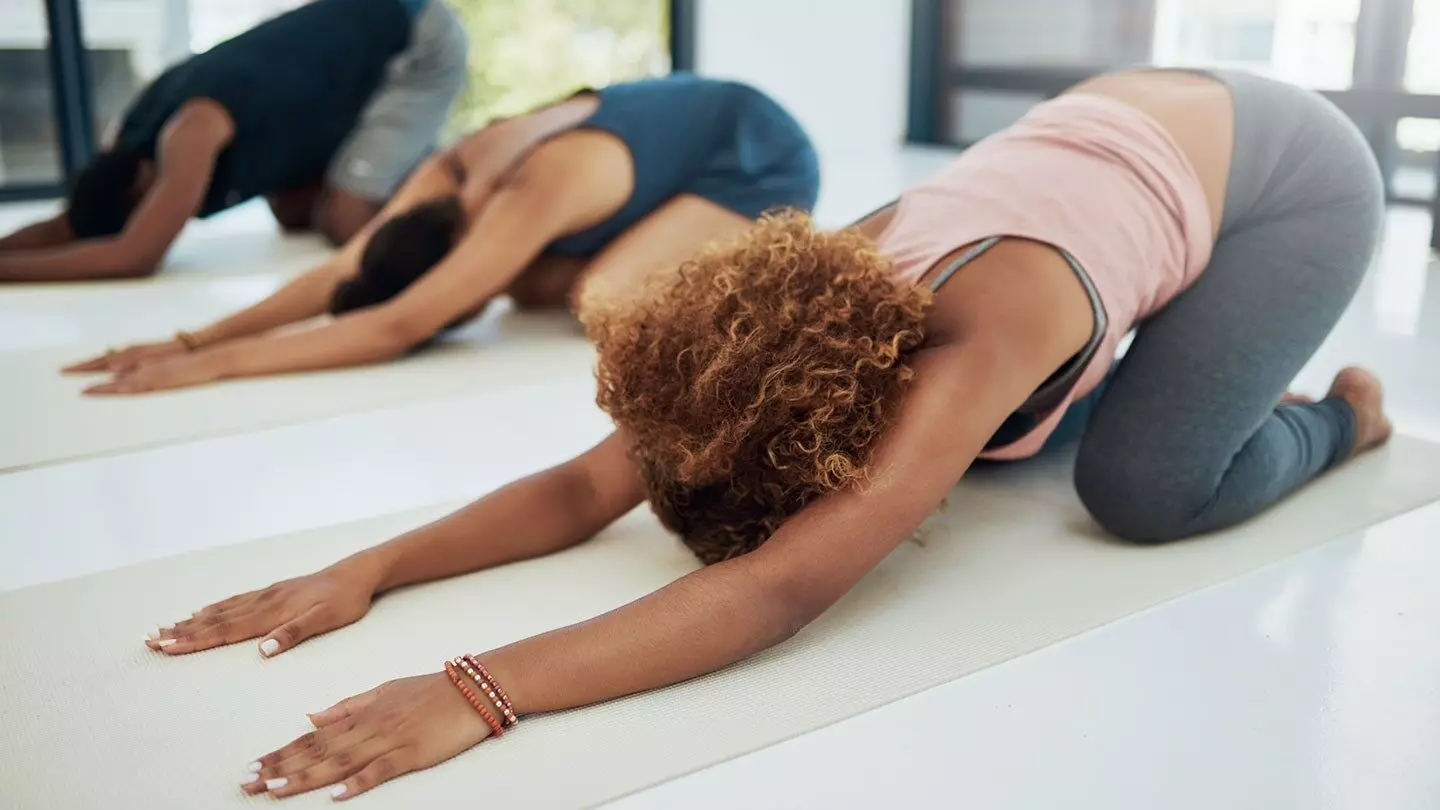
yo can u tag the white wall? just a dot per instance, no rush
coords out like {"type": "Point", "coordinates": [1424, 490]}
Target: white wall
{"type": "Point", "coordinates": [840, 66]}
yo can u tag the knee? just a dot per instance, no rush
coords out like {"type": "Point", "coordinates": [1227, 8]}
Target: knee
{"type": "Point", "coordinates": [338, 216]}
{"type": "Point", "coordinates": [1137, 502]}
{"type": "Point", "coordinates": [292, 210]}
{"type": "Point", "coordinates": [527, 294]}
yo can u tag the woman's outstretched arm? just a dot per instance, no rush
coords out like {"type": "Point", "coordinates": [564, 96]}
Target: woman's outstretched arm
{"type": "Point", "coordinates": [43, 234]}
{"type": "Point", "coordinates": [302, 298]}
{"type": "Point", "coordinates": [555, 192]}
{"type": "Point", "coordinates": [701, 623]}
{"type": "Point", "coordinates": [538, 515]}
{"type": "Point", "coordinates": [189, 145]}
{"type": "Point", "coordinates": [732, 610]}
{"type": "Point", "coordinates": [1008, 337]}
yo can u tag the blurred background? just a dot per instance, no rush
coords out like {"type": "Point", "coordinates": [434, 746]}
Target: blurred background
{"type": "Point", "coordinates": [865, 76]}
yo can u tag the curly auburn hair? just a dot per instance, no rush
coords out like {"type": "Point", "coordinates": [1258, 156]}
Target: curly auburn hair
{"type": "Point", "coordinates": [758, 378]}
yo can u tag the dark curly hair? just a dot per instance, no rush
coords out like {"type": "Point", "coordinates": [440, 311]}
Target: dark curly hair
{"type": "Point", "coordinates": [758, 378]}
{"type": "Point", "coordinates": [399, 253]}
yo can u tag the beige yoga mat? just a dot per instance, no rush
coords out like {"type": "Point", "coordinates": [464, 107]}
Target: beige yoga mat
{"type": "Point", "coordinates": [46, 420]}
{"type": "Point", "coordinates": [93, 719]}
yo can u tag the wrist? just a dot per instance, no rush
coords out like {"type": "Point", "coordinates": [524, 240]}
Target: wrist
{"type": "Point", "coordinates": [370, 568]}
{"type": "Point", "coordinates": [206, 337]}
{"type": "Point", "coordinates": [220, 361]}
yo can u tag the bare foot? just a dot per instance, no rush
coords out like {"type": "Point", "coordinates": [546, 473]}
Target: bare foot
{"type": "Point", "coordinates": [1362, 391]}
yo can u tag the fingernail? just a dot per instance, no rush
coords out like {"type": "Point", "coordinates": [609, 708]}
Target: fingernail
{"type": "Point", "coordinates": [153, 635]}
{"type": "Point", "coordinates": [250, 779]}
{"type": "Point", "coordinates": [276, 784]}
{"type": "Point", "coordinates": [269, 647]}
{"type": "Point", "coordinates": [254, 767]}
{"type": "Point", "coordinates": [166, 642]}
{"type": "Point", "coordinates": [338, 790]}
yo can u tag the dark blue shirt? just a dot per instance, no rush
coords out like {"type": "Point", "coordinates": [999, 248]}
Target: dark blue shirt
{"type": "Point", "coordinates": [294, 85]}
{"type": "Point", "coordinates": [720, 140]}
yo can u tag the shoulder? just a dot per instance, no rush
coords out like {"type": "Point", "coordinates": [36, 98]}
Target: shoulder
{"type": "Point", "coordinates": [1021, 300]}
{"type": "Point", "coordinates": [199, 121]}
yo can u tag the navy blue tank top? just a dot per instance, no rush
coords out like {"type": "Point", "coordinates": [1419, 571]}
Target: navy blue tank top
{"type": "Point", "coordinates": [295, 86]}
{"type": "Point", "coordinates": [721, 140]}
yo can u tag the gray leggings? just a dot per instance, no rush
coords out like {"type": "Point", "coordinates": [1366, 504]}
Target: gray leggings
{"type": "Point", "coordinates": [1186, 437]}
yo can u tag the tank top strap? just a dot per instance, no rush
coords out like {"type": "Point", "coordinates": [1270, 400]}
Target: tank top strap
{"type": "Point", "coordinates": [963, 259]}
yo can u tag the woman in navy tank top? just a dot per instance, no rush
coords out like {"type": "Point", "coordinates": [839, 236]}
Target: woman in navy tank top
{"type": "Point", "coordinates": [591, 193]}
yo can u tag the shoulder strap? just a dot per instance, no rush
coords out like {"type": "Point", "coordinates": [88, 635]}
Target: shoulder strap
{"type": "Point", "coordinates": [964, 259]}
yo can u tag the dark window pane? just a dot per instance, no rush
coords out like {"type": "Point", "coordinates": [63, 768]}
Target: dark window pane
{"type": "Point", "coordinates": [29, 150]}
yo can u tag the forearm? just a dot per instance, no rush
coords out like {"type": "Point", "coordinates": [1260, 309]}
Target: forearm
{"type": "Point", "coordinates": [101, 259]}
{"type": "Point", "coordinates": [538, 515]}
{"type": "Point", "coordinates": [697, 625]}
{"type": "Point", "coordinates": [301, 299]}
{"type": "Point", "coordinates": [47, 233]}
{"type": "Point", "coordinates": [353, 340]}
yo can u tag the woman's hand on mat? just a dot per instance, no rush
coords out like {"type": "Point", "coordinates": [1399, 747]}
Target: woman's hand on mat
{"type": "Point", "coordinates": [398, 727]}
{"type": "Point", "coordinates": [128, 358]}
{"type": "Point", "coordinates": [162, 374]}
{"type": "Point", "coordinates": [283, 614]}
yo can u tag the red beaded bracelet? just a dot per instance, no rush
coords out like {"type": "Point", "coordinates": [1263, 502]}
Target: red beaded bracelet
{"type": "Point", "coordinates": [485, 688]}
{"type": "Point", "coordinates": [487, 683]}
{"type": "Point", "coordinates": [493, 682]}
{"type": "Point", "coordinates": [474, 699]}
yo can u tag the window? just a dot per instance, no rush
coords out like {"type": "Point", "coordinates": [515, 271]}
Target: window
{"type": "Point", "coordinates": [523, 53]}
{"type": "Point", "coordinates": [1308, 43]}
{"type": "Point", "coordinates": [29, 148]}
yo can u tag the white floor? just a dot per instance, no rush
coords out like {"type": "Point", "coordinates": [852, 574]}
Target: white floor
{"type": "Point", "coordinates": [1314, 683]}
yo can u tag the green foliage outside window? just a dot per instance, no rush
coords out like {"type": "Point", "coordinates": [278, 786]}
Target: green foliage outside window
{"type": "Point", "coordinates": [525, 53]}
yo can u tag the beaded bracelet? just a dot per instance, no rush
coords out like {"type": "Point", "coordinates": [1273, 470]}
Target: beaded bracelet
{"type": "Point", "coordinates": [188, 340]}
{"type": "Point", "coordinates": [475, 701]}
{"type": "Point", "coordinates": [481, 676]}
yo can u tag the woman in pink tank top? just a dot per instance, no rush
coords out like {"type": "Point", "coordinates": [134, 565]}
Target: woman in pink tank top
{"type": "Point", "coordinates": [824, 390]}
{"type": "Point", "coordinates": [794, 405]}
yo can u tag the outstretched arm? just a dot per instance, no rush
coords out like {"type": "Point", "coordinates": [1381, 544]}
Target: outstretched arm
{"type": "Point", "coordinates": [538, 515]}
{"type": "Point", "coordinates": [732, 610]}
{"type": "Point", "coordinates": [188, 149]}
{"type": "Point", "coordinates": [43, 234]}
{"type": "Point", "coordinates": [304, 297]}
{"type": "Point", "coordinates": [547, 198]}
{"type": "Point", "coordinates": [701, 623]}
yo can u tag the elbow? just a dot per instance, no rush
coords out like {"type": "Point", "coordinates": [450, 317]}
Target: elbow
{"type": "Point", "coordinates": [781, 611]}
{"type": "Point", "coordinates": [132, 269]}
{"type": "Point", "coordinates": [129, 258]}
{"type": "Point", "coordinates": [780, 620]}
{"type": "Point", "coordinates": [396, 336]}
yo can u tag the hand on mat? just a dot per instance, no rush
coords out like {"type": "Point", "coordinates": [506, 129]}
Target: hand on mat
{"type": "Point", "coordinates": [360, 742]}
{"type": "Point", "coordinates": [285, 613]}
{"type": "Point", "coordinates": [160, 375]}
{"type": "Point", "coordinates": [127, 358]}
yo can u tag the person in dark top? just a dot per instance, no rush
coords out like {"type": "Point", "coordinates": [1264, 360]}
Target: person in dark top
{"type": "Point", "coordinates": [324, 111]}
{"type": "Point", "coordinates": [592, 194]}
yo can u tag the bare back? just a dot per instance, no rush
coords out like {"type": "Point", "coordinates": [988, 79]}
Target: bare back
{"type": "Point", "coordinates": [1198, 112]}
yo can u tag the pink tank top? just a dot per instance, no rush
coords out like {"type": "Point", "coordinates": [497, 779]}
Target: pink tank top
{"type": "Point", "coordinates": [1095, 178]}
